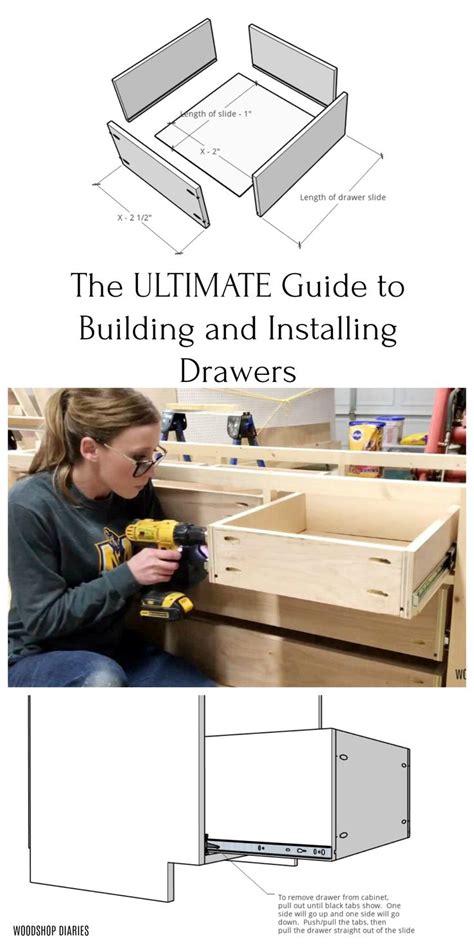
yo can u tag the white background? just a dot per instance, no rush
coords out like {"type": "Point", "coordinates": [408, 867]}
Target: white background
{"type": "Point", "coordinates": [426, 873]}
{"type": "Point", "coordinates": [405, 67]}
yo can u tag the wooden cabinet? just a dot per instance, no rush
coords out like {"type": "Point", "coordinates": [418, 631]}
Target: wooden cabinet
{"type": "Point", "coordinates": [240, 654]}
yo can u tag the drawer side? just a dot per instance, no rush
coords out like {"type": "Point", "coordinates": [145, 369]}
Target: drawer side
{"type": "Point", "coordinates": [319, 569]}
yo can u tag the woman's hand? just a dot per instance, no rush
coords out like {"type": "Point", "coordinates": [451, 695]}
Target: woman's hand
{"type": "Point", "coordinates": [151, 566]}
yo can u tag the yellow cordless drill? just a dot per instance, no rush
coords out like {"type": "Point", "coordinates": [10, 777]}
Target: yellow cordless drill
{"type": "Point", "coordinates": [166, 535]}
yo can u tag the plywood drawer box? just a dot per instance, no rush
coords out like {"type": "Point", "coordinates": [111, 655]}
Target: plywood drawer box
{"type": "Point", "coordinates": [331, 549]}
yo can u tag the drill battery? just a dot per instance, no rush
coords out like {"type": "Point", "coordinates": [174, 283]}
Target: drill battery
{"type": "Point", "coordinates": [169, 606]}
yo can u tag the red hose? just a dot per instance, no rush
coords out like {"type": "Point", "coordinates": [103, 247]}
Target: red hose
{"type": "Point", "coordinates": [458, 435]}
{"type": "Point", "coordinates": [435, 440]}
{"type": "Point", "coordinates": [437, 432]}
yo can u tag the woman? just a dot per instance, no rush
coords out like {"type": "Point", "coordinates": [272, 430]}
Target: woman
{"type": "Point", "coordinates": [73, 572]}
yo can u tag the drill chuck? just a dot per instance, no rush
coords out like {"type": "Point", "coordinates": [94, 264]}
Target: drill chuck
{"type": "Point", "coordinates": [187, 534]}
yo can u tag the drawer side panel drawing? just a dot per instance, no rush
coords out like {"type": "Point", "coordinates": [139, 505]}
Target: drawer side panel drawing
{"type": "Point", "coordinates": [283, 170]}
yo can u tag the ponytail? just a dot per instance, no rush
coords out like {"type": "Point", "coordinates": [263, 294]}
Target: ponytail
{"type": "Point", "coordinates": [55, 451]}
{"type": "Point", "coordinates": [73, 413]}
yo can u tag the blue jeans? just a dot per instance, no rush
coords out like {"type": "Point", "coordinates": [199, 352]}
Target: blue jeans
{"type": "Point", "coordinates": [142, 667]}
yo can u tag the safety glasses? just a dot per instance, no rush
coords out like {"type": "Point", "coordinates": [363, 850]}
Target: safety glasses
{"type": "Point", "coordinates": [143, 465]}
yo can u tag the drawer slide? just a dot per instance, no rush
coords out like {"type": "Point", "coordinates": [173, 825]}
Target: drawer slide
{"type": "Point", "coordinates": [435, 579]}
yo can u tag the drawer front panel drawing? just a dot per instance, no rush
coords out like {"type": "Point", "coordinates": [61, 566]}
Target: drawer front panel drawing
{"type": "Point", "coordinates": [173, 184]}
{"type": "Point", "coordinates": [153, 78]}
{"type": "Point", "coordinates": [293, 66]}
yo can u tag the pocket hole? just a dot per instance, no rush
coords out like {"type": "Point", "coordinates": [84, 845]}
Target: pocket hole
{"type": "Point", "coordinates": [240, 503]}
{"type": "Point", "coordinates": [379, 559]}
{"type": "Point", "coordinates": [343, 835]}
{"type": "Point", "coordinates": [125, 161]}
{"type": "Point", "coordinates": [232, 569]}
{"type": "Point", "coordinates": [231, 539]}
{"type": "Point", "coordinates": [377, 592]}
{"type": "Point", "coordinates": [197, 215]}
{"type": "Point", "coordinates": [343, 757]}
{"type": "Point", "coordinates": [117, 137]}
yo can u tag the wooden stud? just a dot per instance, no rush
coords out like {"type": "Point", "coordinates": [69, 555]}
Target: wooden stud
{"type": "Point", "coordinates": [214, 408]}
{"type": "Point", "coordinates": [324, 456]}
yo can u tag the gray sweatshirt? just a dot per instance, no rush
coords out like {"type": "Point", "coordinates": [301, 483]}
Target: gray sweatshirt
{"type": "Point", "coordinates": [70, 581]}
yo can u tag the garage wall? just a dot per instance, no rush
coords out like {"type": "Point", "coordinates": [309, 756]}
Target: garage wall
{"type": "Point", "coordinates": [317, 408]}
{"type": "Point", "coordinates": [415, 403]}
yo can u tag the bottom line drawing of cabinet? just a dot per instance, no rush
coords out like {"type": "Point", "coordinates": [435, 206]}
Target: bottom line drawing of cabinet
{"type": "Point", "coordinates": [124, 787]}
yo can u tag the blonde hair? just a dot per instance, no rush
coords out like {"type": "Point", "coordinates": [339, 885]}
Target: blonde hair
{"type": "Point", "coordinates": [74, 413]}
